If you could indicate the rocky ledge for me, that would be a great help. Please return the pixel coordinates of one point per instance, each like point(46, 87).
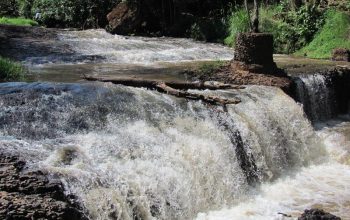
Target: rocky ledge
point(229, 74)
point(317, 214)
point(32, 194)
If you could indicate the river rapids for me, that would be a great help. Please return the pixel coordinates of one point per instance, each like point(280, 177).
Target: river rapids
point(133, 153)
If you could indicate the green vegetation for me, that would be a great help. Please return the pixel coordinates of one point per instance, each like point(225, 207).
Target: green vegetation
point(18, 21)
point(61, 13)
point(10, 70)
point(292, 29)
point(71, 13)
point(334, 34)
point(238, 22)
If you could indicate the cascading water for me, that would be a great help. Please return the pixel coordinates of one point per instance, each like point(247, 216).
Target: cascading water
point(129, 153)
point(136, 154)
point(321, 185)
point(317, 98)
point(324, 186)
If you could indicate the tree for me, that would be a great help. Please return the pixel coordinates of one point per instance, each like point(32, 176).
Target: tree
point(253, 22)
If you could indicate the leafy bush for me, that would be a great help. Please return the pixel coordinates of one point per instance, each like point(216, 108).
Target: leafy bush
point(238, 22)
point(8, 8)
point(291, 29)
point(69, 13)
point(334, 34)
point(18, 21)
point(10, 71)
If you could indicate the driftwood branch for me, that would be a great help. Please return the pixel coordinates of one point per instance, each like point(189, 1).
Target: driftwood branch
point(176, 88)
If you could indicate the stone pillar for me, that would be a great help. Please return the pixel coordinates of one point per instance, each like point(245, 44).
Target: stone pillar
point(254, 53)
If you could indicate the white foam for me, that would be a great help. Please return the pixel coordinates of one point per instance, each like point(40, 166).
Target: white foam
point(324, 186)
point(142, 50)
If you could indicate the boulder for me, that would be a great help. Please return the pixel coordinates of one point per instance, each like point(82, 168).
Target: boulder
point(32, 195)
point(341, 54)
point(317, 214)
point(124, 18)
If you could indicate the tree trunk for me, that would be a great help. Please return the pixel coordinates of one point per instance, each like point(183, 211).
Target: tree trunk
point(256, 16)
point(248, 13)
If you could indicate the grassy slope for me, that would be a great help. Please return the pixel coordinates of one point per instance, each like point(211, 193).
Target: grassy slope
point(18, 21)
point(10, 70)
point(334, 34)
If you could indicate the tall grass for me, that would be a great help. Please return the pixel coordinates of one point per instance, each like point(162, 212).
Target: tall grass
point(18, 21)
point(10, 70)
point(334, 34)
point(238, 22)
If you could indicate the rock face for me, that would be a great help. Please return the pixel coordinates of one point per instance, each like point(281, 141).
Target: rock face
point(124, 18)
point(341, 54)
point(317, 214)
point(254, 53)
point(31, 195)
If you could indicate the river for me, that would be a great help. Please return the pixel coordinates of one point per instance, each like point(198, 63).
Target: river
point(133, 153)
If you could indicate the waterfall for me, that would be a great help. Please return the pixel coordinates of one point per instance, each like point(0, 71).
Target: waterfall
point(317, 97)
point(131, 153)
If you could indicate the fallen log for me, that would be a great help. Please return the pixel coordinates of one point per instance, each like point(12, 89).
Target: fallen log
point(162, 87)
point(136, 82)
point(176, 88)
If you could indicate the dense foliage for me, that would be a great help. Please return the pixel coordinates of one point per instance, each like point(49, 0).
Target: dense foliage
point(9, 8)
point(292, 29)
point(334, 34)
point(61, 13)
point(10, 70)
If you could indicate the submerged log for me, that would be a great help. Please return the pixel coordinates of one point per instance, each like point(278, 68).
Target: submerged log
point(176, 88)
point(162, 87)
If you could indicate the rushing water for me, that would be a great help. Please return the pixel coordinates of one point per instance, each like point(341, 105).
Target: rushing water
point(320, 185)
point(324, 186)
point(132, 153)
point(142, 50)
point(316, 96)
point(96, 52)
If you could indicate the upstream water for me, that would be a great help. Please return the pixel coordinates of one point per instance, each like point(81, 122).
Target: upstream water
point(132, 153)
point(96, 52)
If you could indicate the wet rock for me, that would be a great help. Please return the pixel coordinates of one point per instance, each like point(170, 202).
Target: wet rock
point(341, 54)
point(38, 45)
point(124, 18)
point(317, 214)
point(32, 195)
